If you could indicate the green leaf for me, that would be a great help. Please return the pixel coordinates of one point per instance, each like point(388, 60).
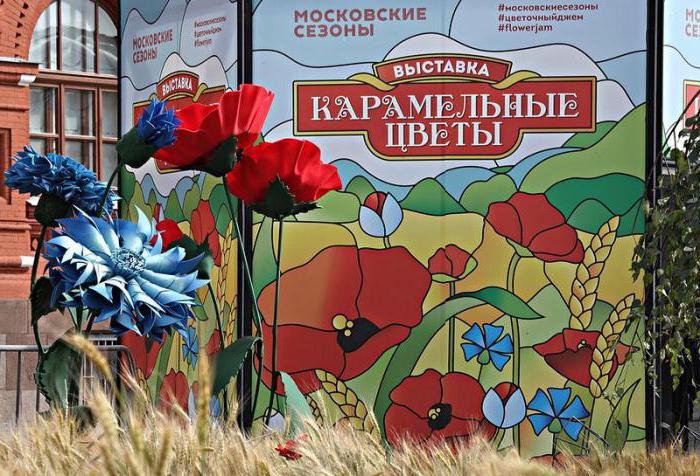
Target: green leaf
point(51, 208)
point(408, 352)
point(222, 159)
point(57, 374)
point(133, 150)
point(618, 428)
point(278, 202)
point(40, 298)
point(228, 362)
point(297, 407)
point(264, 260)
point(193, 250)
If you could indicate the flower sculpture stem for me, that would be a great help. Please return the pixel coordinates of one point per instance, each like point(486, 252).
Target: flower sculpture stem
point(259, 348)
point(515, 331)
point(452, 322)
point(217, 314)
point(109, 185)
point(35, 268)
point(275, 374)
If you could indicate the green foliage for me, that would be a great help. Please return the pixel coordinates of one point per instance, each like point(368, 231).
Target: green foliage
point(228, 362)
point(57, 375)
point(191, 201)
point(40, 298)
point(670, 252)
point(173, 210)
point(478, 196)
point(51, 208)
point(127, 182)
point(430, 198)
point(334, 207)
point(617, 431)
point(584, 140)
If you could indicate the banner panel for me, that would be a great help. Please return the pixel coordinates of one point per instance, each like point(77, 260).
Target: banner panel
point(473, 275)
point(184, 52)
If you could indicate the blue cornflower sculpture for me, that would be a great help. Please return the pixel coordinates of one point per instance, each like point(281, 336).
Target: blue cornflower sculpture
point(488, 345)
point(556, 413)
point(190, 346)
point(110, 268)
point(154, 130)
point(66, 181)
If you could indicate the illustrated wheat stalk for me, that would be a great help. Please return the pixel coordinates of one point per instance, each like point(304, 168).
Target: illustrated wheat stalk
point(226, 256)
point(315, 409)
point(350, 405)
point(604, 351)
point(585, 286)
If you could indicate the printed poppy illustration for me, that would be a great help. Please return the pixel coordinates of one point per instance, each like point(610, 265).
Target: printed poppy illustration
point(534, 227)
point(431, 407)
point(450, 263)
point(203, 225)
point(380, 214)
point(295, 163)
point(169, 231)
point(174, 391)
point(554, 411)
point(214, 344)
point(504, 405)
point(486, 343)
point(190, 346)
point(204, 128)
point(144, 352)
point(570, 353)
point(347, 328)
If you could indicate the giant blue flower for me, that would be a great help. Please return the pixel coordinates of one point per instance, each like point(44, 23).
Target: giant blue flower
point(556, 413)
point(157, 124)
point(110, 268)
point(488, 344)
point(60, 176)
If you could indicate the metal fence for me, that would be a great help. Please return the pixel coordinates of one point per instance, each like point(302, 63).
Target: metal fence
point(90, 378)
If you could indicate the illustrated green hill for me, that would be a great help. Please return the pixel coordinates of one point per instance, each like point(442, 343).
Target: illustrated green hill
point(583, 140)
point(620, 151)
point(360, 187)
point(430, 198)
point(479, 195)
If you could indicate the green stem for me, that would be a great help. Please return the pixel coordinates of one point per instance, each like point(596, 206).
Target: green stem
point(451, 335)
point(91, 321)
point(109, 186)
point(35, 269)
point(273, 386)
point(515, 332)
point(259, 348)
point(220, 326)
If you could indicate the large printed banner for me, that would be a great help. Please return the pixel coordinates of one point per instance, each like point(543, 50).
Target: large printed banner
point(184, 52)
point(473, 275)
point(681, 64)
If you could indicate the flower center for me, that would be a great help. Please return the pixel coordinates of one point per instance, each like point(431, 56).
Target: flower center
point(583, 344)
point(439, 416)
point(353, 333)
point(484, 357)
point(127, 264)
point(555, 427)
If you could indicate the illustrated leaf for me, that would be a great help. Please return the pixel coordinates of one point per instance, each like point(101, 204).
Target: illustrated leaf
point(297, 407)
point(264, 260)
point(408, 352)
point(228, 362)
point(40, 298)
point(57, 374)
point(618, 428)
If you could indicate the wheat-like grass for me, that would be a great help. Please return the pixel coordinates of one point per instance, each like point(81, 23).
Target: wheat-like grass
point(584, 289)
point(604, 351)
point(92, 354)
point(354, 410)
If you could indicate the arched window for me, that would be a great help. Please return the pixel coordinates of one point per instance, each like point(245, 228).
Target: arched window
point(74, 99)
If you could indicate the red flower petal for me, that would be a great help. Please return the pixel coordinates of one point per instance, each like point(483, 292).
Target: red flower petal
point(144, 350)
point(401, 424)
point(400, 303)
point(174, 390)
point(505, 220)
point(214, 344)
point(559, 240)
point(575, 256)
point(375, 201)
point(439, 263)
point(465, 394)
point(536, 214)
point(356, 362)
point(459, 259)
point(169, 232)
point(419, 392)
point(463, 430)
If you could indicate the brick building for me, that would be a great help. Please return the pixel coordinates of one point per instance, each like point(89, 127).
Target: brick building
point(58, 92)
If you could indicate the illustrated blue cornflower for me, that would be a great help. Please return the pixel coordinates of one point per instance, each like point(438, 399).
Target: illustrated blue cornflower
point(60, 176)
point(157, 125)
point(110, 268)
point(488, 344)
point(556, 413)
point(190, 346)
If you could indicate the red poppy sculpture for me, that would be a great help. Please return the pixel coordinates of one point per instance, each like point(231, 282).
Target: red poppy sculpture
point(570, 353)
point(431, 407)
point(282, 178)
point(343, 331)
point(534, 227)
point(209, 135)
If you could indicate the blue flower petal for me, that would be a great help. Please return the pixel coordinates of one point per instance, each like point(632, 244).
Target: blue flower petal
point(499, 360)
point(491, 334)
point(471, 350)
point(539, 422)
point(560, 397)
point(475, 335)
point(515, 409)
point(575, 410)
point(571, 428)
point(492, 408)
point(371, 223)
point(392, 215)
point(503, 346)
point(541, 403)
